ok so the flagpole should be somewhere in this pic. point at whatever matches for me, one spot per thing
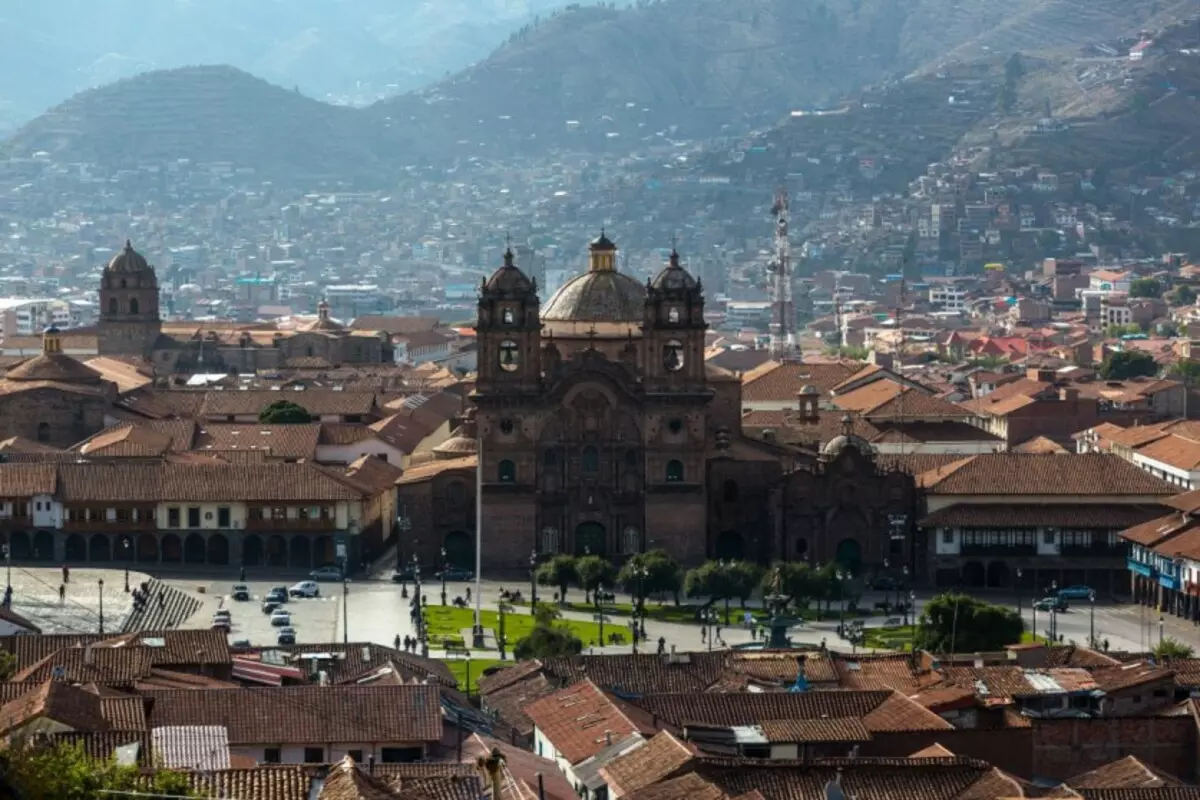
(478, 627)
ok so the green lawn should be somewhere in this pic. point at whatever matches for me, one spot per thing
(449, 621)
(687, 614)
(899, 637)
(462, 667)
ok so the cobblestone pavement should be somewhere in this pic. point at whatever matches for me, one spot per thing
(35, 597)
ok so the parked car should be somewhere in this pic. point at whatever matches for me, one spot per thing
(269, 606)
(224, 612)
(240, 643)
(885, 583)
(453, 574)
(277, 593)
(305, 589)
(1075, 592)
(1051, 604)
(286, 636)
(280, 617)
(403, 575)
(240, 592)
(326, 573)
(221, 623)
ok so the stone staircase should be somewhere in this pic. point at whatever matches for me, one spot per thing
(177, 607)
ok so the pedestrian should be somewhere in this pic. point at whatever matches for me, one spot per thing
(468, 594)
(718, 633)
(662, 645)
(7, 596)
(62, 593)
(162, 598)
(396, 642)
(66, 574)
(242, 575)
(703, 634)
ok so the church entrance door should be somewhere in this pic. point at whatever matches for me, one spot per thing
(849, 556)
(460, 550)
(590, 538)
(730, 546)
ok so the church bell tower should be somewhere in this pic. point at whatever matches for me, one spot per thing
(508, 332)
(129, 320)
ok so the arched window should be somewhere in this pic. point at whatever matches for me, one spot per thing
(591, 460)
(674, 471)
(510, 356)
(123, 284)
(456, 494)
(43, 434)
(507, 471)
(112, 305)
(673, 315)
(308, 351)
(507, 316)
(133, 306)
(673, 355)
(631, 459)
(730, 491)
(550, 462)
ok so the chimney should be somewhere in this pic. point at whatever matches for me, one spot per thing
(608, 738)
(1068, 395)
(371, 764)
(87, 655)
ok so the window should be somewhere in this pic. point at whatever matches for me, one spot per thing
(270, 755)
(506, 427)
(399, 755)
(507, 471)
(631, 459)
(510, 356)
(1048, 536)
(549, 460)
(353, 418)
(947, 535)
(43, 432)
(356, 755)
(631, 540)
(456, 494)
(133, 306)
(549, 540)
(591, 460)
(730, 491)
(112, 305)
(673, 316)
(507, 316)
(673, 355)
(172, 517)
(314, 755)
(675, 426)
(193, 517)
(674, 471)
(222, 517)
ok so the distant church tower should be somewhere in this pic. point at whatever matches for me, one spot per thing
(129, 320)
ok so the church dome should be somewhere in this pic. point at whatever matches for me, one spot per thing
(463, 443)
(847, 439)
(597, 296)
(128, 260)
(508, 279)
(54, 365)
(674, 277)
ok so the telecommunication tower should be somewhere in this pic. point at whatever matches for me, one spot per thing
(783, 312)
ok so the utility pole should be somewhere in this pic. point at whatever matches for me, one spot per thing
(345, 613)
(783, 312)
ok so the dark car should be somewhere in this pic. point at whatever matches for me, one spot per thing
(453, 574)
(404, 575)
(269, 606)
(286, 636)
(1057, 604)
(278, 594)
(887, 584)
(240, 592)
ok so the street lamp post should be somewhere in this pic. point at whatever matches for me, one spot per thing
(912, 606)
(1018, 588)
(8, 565)
(710, 616)
(1092, 618)
(841, 576)
(1054, 612)
(345, 613)
(887, 593)
(502, 634)
(599, 609)
(420, 615)
(403, 526)
(102, 606)
(533, 582)
(125, 550)
(445, 566)
(1160, 631)
(639, 617)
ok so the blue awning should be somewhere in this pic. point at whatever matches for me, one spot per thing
(1139, 568)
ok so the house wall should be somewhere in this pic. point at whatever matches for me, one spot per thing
(543, 747)
(1067, 747)
(209, 515)
(346, 453)
(333, 751)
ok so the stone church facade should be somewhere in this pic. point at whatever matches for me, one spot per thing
(599, 428)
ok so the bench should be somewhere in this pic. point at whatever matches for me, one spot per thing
(457, 650)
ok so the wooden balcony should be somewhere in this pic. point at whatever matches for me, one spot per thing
(296, 525)
(108, 526)
(15, 523)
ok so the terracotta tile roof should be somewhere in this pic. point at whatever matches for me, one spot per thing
(194, 747)
(431, 469)
(509, 702)
(368, 474)
(1040, 444)
(1176, 451)
(344, 432)
(891, 672)
(1114, 679)
(307, 714)
(258, 783)
(659, 759)
(394, 325)
(101, 745)
(26, 480)
(126, 441)
(318, 402)
(89, 665)
(124, 713)
(582, 720)
(1164, 793)
(642, 674)
(508, 676)
(351, 661)
(68, 705)
(992, 784)
(19, 444)
(279, 441)
(879, 710)
(686, 787)
(1126, 773)
(1042, 474)
(402, 431)
(791, 427)
(199, 483)
(346, 781)
(934, 750)
(778, 731)
(775, 382)
(1150, 533)
(1030, 515)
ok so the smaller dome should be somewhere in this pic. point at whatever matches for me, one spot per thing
(808, 388)
(462, 443)
(602, 244)
(508, 278)
(848, 439)
(674, 276)
(128, 260)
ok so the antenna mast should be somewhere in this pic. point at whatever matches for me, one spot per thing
(783, 312)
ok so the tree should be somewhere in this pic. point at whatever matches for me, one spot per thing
(662, 574)
(66, 772)
(8, 665)
(1185, 296)
(723, 580)
(284, 412)
(593, 572)
(1173, 648)
(1145, 287)
(1049, 241)
(959, 623)
(1128, 364)
(548, 639)
(559, 571)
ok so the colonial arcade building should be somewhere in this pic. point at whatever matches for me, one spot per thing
(599, 428)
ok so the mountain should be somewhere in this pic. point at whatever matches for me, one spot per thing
(584, 78)
(211, 114)
(339, 50)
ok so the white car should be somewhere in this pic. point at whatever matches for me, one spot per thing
(280, 618)
(305, 589)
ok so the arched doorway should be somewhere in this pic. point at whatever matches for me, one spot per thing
(123, 549)
(730, 546)
(849, 556)
(973, 574)
(76, 548)
(20, 548)
(100, 548)
(252, 550)
(323, 550)
(301, 552)
(276, 551)
(172, 549)
(218, 549)
(194, 549)
(43, 546)
(590, 539)
(997, 575)
(460, 550)
(147, 548)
